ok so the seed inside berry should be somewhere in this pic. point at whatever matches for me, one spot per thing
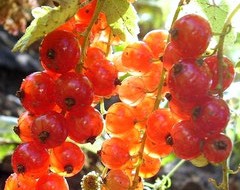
(51, 54)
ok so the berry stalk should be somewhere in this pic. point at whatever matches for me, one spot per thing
(99, 7)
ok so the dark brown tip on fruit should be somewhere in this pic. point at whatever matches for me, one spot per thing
(91, 140)
(56, 3)
(177, 68)
(68, 169)
(169, 140)
(168, 96)
(117, 82)
(51, 54)
(161, 58)
(16, 130)
(20, 94)
(21, 168)
(43, 136)
(174, 33)
(220, 145)
(200, 61)
(196, 112)
(70, 102)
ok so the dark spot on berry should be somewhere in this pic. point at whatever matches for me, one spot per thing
(200, 61)
(21, 168)
(174, 33)
(169, 139)
(168, 96)
(68, 168)
(117, 82)
(161, 58)
(70, 102)
(177, 68)
(196, 112)
(43, 136)
(220, 145)
(20, 94)
(51, 54)
(16, 130)
(91, 140)
(87, 11)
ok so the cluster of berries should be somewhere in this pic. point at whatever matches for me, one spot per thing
(60, 100)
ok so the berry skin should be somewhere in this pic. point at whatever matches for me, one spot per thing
(211, 117)
(156, 40)
(37, 93)
(132, 90)
(52, 181)
(49, 130)
(103, 76)
(171, 56)
(114, 153)
(117, 180)
(189, 80)
(159, 125)
(67, 159)
(84, 126)
(217, 148)
(228, 73)
(23, 129)
(30, 160)
(77, 92)
(149, 167)
(186, 143)
(19, 182)
(119, 118)
(59, 51)
(137, 57)
(191, 35)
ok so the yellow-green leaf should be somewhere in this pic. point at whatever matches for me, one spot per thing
(46, 19)
(122, 18)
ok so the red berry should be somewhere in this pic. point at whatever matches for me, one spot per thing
(171, 56)
(227, 73)
(189, 80)
(59, 51)
(117, 180)
(156, 40)
(137, 57)
(30, 160)
(74, 91)
(217, 148)
(186, 142)
(191, 35)
(114, 153)
(159, 125)
(211, 117)
(49, 130)
(67, 159)
(52, 181)
(103, 76)
(37, 93)
(19, 182)
(119, 118)
(23, 129)
(85, 125)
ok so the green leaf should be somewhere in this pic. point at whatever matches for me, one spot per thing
(46, 19)
(216, 14)
(122, 18)
(8, 139)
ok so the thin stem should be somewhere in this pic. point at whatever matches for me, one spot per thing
(179, 7)
(99, 7)
(227, 25)
(224, 32)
